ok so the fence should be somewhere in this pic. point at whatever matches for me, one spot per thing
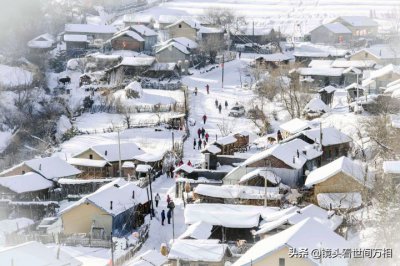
(112, 109)
(161, 86)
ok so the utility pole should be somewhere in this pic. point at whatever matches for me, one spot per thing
(119, 155)
(173, 141)
(223, 63)
(112, 250)
(151, 195)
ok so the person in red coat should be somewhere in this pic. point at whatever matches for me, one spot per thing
(189, 163)
(207, 136)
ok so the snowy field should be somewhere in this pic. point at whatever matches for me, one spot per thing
(282, 14)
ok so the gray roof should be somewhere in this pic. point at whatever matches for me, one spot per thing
(359, 21)
(337, 28)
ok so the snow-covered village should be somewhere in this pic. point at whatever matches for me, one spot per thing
(199, 132)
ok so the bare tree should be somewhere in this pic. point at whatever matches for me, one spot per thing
(225, 18)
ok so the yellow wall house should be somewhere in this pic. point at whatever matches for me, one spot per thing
(183, 28)
(282, 248)
(340, 176)
(111, 208)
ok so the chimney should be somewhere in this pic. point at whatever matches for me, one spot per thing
(298, 154)
(105, 153)
(111, 205)
(40, 167)
(294, 159)
(305, 152)
(133, 194)
(380, 52)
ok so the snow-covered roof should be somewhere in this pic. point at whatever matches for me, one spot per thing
(320, 63)
(130, 33)
(226, 215)
(119, 191)
(49, 167)
(128, 164)
(163, 66)
(391, 89)
(143, 168)
(149, 157)
(237, 192)
(192, 23)
(210, 30)
(184, 167)
(137, 18)
(342, 63)
(42, 41)
(175, 45)
(353, 86)
(316, 105)
(287, 153)
(391, 167)
(197, 250)
(74, 181)
(337, 27)
(212, 149)
(226, 140)
(137, 61)
(382, 51)
(294, 126)
(328, 89)
(27, 182)
(295, 215)
(249, 30)
(393, 83)
(343, 164)
(277, 57)
(35, 254)
(320, 71)
(330, 136)
(199, 230)
(14, 76)
(75, 38)
(353, 70)
(110, 152)
(87, 162)
(308, 234)
(89, 28)
(148, 258)
(359, 21)
(265, 173)
(9, 226)
(384, 71)
(143, 30)
(339, 200)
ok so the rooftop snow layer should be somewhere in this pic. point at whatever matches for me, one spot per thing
(14, 76)
(320, 71)
(110, 152)
(143, 30)
(330, 136)
(137, 61)
(391, 167)
(237, 192)
(88, 28)
(197, 250)
(359, 21)
(43, 41)
(316, 105)
(130, 33)
(27, 182)
(294, 126)
(75, 38)
(339, 200)
(199, 230)
(148, 258)
(337, 27)
(265, 173)
(87, 162)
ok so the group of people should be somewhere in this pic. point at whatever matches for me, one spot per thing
(203, 137)
(207, 89)
(219, 106)
(157, 198)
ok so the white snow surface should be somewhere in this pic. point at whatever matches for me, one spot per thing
(269, 175)
(199, 230)
(27, 182)
(110, 152)
(197, 250)
(391, 167)
(237, 192)
(14, 76)
(339, 200)
(148, 258)
(295, 125)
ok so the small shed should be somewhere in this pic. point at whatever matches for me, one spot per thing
(226, 144)
(326, 94)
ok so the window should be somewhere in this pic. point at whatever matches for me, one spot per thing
(366, 55)
(281, 262)
(23, 172)
(90, 156)
(180, 26)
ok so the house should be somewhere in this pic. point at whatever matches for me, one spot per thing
(305, 52)
(172, 52)
(210, 152)
(237, 194)
(103, 32)
(183, 28)
(315, 108)
(381, 77)
(326, 94)
(391, 169)
(334, 143)
(332, 34)
(229, 221)
(127, 39)
(199, 230)
(106, 157)
(138, 19)
(27, 187)
(148, 258)
(91, 168)
(381, 54)
(51, 168)
(118, 207)
(258, 177)
(256, 35)
(75, 44)
(307, 234)
(42, 43)
(36, 254)
(288, 160)
(198, 252)
(273, 60)
(129, 68)
(360, 26)
(352, 75)
(293, 127)
(340, 201)
(340, 176)
(149, 36)
(322, 76)
(285, 218)
(163, 70)
(226, 144)
(214, 37)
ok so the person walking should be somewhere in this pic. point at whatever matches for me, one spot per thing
(240, 54)
(195, 91)
(219, 108)
(162, 217)
(169, 215)
(203, 132)
(168, 199)
(199, 132)
(157, 198)
(204, 118)
(194, 144)
(204, 143)
(189, 163)
(199, 144)
(207, 136)
(171, 171)
(216, 103)
(226, 104)
(180, 162)
(208, 89)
